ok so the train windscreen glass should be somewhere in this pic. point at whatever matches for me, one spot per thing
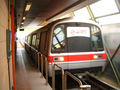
(58, 44)
(96, 39)
(76, 37)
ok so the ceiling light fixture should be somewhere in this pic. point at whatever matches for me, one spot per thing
(28, 7)
(24, 18)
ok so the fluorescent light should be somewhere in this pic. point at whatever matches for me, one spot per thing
(28, 7)
(24, 18)
(22, 23)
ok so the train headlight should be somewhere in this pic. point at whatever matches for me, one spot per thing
(97, 56)
(58, 58)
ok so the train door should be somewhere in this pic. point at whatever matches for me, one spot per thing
(42, 43)
(43, 47)
(97, 46)
(78, 45)
(38, 41)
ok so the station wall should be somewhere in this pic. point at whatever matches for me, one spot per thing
(4, 77)
(111, 36)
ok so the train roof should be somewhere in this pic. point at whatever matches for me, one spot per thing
(67, 20)
(74, 19)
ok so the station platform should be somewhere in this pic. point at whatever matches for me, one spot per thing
(27, 77)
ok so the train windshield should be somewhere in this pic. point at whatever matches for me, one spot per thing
(76, 37)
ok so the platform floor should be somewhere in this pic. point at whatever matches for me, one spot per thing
(27, 77)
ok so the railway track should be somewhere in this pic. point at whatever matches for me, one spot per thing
(94, 82)
(89, 82)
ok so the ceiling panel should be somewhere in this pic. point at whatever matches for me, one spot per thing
(43, 10)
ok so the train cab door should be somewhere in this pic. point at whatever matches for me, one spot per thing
(96, 45)
(59, 49)
(78, 39)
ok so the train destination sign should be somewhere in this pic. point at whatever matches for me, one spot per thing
(78, 31)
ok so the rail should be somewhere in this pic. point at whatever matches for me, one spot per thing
(64, 75)
(81, 86)
(46, 63)
(53, 70)
(38, 54)
(53, 76)
(46, 66)
(41, 57)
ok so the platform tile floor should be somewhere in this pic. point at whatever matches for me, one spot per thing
(27, 77)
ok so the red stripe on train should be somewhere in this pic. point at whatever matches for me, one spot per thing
(68, 58)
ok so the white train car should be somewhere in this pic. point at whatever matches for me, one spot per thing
(70, 43)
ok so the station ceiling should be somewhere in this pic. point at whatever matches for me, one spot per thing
(45, 10)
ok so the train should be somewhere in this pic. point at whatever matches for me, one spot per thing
(70, 43)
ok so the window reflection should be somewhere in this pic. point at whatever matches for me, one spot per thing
(29, 39)
(96, 39)
(58, 43)
(33, 40)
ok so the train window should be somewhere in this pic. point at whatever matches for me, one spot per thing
(38, 35)
(58, 43)
(96, 38)
(25, 39)
(78, 37)
(78, 31)
(33, 40)
(37, 43)
(29, 40)
(38, 40)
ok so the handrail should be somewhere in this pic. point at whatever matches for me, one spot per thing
(41, 65)
(53, 76)
(46, 66)
(64, 74)
(87, 87)
(38, 53)
(53, 70)
(46, 70)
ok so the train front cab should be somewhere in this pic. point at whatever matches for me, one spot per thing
(76, 45)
